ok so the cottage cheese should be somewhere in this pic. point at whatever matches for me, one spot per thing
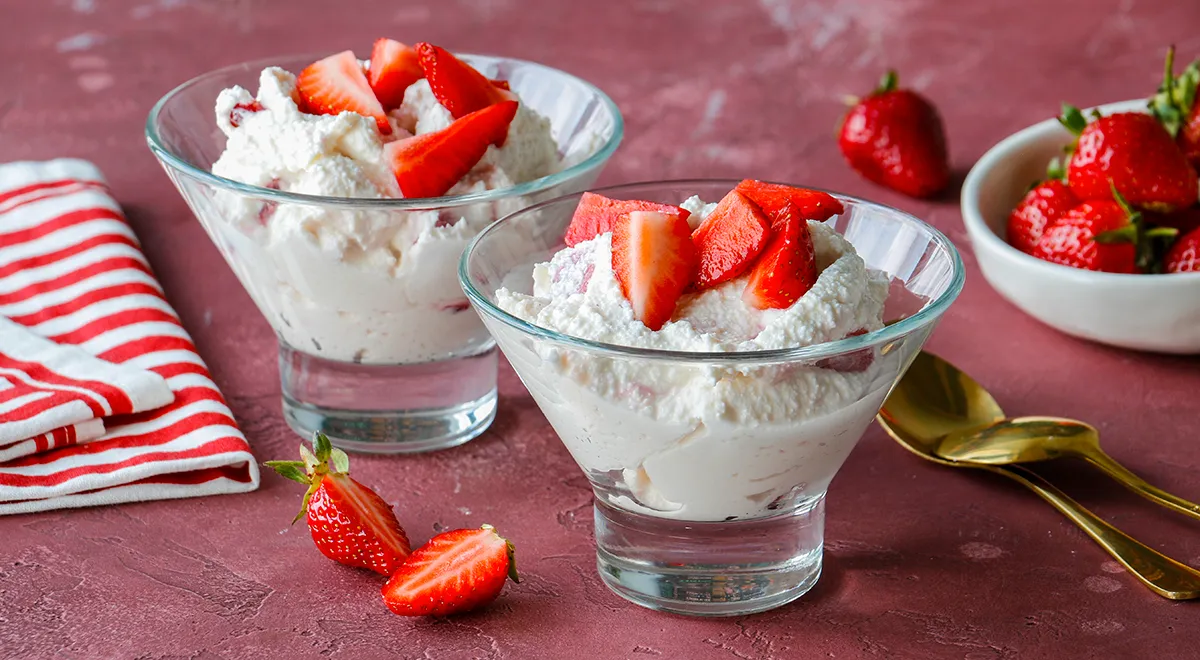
(369, 286)
(703, 442)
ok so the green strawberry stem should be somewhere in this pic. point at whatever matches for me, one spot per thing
(1172, 104)
(1056, 170)
(313, 467)
(888, 83)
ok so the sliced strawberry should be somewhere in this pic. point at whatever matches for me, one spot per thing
(807, 204)
(654, 260)
(597, 214)
(337, 84)
(429, 165)
(456, 571)
(394, 66)
(349, 523)
(853, 362)
(787, 267)
(243, 110)
(456, 85)
(729, 239)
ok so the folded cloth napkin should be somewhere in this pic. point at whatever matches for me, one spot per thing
(71, 272)
(47, 388)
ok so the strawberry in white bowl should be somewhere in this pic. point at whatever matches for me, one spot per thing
(1097, 244)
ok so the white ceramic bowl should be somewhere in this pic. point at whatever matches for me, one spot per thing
(1144, 312)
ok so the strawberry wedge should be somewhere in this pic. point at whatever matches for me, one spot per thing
(456, 85)
(394, 66)
(654, 259)
(429, 165)
(456, 571)
(337, 84)
(787, 267)
(597, 214)
(729, 239)
(807, 204)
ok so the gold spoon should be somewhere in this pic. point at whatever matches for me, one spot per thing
(934, 399)
(1031, 439)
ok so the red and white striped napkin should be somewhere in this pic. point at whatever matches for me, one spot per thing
(53, 395)
(71, 272)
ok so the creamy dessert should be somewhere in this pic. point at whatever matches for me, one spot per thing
(698, 439)
(372, 284)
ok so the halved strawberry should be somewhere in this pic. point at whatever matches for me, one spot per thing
(597, 214)
(429, 165)
(349, 523)
(787, 267)
(394, 66)
(456, 85)
(456, 571)
(807, 204)
(337, 84)
(729, 239)
(654, 260)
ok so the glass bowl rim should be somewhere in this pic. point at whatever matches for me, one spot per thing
(177, 162)
(932, 310)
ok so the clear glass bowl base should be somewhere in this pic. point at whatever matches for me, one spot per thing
(389, 409)
(710, 569)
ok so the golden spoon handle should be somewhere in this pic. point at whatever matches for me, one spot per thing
(1138, 485)
(1165, 576)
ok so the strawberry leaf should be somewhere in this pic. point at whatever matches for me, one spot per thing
(1072, 119)
(310, 460)
(293, 470)
(322, 446)
(341, 462)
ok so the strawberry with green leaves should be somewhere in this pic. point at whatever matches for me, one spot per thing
(349, 523)
(1132, 153)
(895, 138)
(1103, 235)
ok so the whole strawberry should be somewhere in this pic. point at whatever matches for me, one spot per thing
(1176, 108)
(1132, 152)
(1091, 236)
(1184, 255)
(1042, 206)
(895, 138)
(456, 571)
(349, 522)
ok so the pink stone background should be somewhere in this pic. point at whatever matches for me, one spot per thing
(922, 562)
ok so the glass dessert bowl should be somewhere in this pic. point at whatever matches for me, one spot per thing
(710, 468)
(378, 347)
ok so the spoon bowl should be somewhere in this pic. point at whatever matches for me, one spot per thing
(1032, 439)
(1020, 440)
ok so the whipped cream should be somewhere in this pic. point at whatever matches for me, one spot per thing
(350, 284)
(696, 440)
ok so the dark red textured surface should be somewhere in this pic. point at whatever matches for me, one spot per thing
(922, 561)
